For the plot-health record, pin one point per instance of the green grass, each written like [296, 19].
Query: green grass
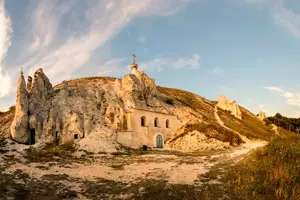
[272, 172]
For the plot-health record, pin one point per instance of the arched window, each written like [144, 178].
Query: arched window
[156, 122]
[167, 123]
[143, 121]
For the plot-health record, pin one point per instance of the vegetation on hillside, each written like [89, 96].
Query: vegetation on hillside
[250, 126]
[289, 124]
[196, 103]
[269, 173]
[211, 131]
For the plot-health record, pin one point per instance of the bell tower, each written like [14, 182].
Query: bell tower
[134, 66]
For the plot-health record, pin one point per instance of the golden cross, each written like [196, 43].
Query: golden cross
[134, 56]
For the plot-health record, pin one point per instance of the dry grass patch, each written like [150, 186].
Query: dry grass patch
[211, 131]
[250, 126]
[48, 152]
[271, 173]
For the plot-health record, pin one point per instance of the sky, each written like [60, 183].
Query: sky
[247, 50]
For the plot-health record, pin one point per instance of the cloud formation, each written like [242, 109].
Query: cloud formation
[160, 64]
[5, 42]
[119, 66]
[281, 15]
[219, 71]
[63, 41]
[291, 98]
[277, 89]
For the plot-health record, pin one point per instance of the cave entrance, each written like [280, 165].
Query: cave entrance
[32, 137]
[56, 137]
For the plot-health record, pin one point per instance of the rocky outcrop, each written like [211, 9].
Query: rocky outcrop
[39, 103]
[231, 106]
[19, 127]
[262, 116]
[137, 90]
[76, 110]
[29, 83]
[67, 113]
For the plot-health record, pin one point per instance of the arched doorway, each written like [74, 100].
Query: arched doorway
[159, 141]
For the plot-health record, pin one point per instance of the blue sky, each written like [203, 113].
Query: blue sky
[247, 50]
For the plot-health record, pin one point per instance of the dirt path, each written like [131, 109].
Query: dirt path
[122, 176]
[275, 129]
[245, 139]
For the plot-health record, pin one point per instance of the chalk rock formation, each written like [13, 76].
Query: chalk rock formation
[231, 106]
[262, 116]
[19, 127]
[66, 113]
[136, 89]
[29, 83]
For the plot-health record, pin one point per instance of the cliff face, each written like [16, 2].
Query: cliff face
[78, 108]
[69, 112]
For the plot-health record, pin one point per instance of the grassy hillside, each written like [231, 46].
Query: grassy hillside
[6, 119]
[250, 126]
[269, 173]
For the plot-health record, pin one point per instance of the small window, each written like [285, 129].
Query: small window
[75, 136]
[167, 124]
[156, 122]
[143, 121]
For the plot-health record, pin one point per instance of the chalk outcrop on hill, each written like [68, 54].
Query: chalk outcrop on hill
[231, 106]
[19, 127]
[109, 110]
[262, 116]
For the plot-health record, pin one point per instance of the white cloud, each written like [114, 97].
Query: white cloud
[115, 66]
[159, 64]
[103, 22]
[287, 18]
[281, 15]
[291, 98]
[219, 71]
[5, 42]
[275, 89]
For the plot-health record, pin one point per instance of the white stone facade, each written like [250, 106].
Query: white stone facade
[148, 128]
